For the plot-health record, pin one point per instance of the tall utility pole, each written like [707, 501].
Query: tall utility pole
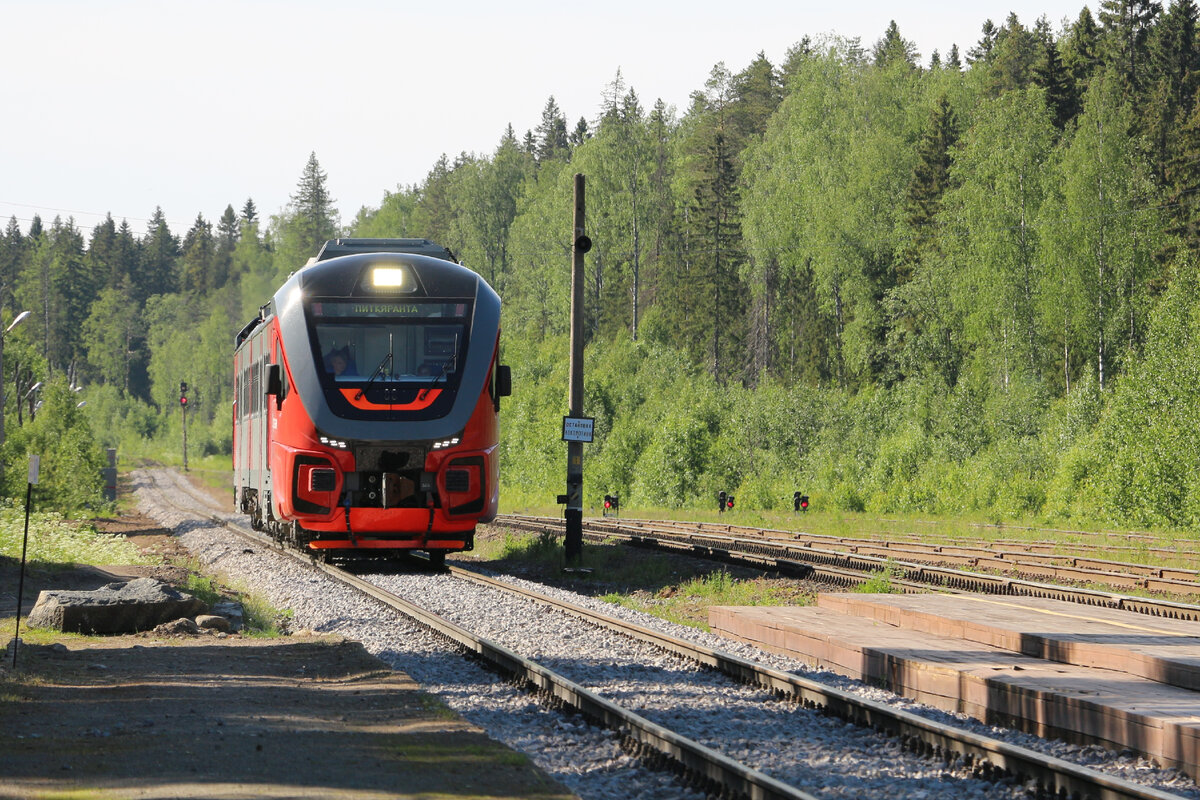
[574, 513]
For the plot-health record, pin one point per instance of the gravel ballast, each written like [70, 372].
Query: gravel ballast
[818, 754]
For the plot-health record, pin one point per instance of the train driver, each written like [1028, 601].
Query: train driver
[341, 364]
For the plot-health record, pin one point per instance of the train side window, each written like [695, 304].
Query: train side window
[255, 388]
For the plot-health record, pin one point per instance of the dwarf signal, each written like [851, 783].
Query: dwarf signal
[612, 504]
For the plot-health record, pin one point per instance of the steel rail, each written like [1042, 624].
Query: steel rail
[990, 756]
[840, 568]
[1052, 774]
[957, 551]
[700, 763]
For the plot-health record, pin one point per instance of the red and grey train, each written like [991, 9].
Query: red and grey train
[366, 401]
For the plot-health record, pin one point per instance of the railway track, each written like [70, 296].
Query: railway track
[1050, 558]
[704, 764]
[816, 558]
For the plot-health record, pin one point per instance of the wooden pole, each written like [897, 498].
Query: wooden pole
[573, 540]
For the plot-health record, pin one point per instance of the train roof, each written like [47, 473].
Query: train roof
[344, 247]
[351, 276]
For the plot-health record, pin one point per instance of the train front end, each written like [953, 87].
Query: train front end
[384, 424]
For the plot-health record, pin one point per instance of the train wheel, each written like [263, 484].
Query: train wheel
[437, 559]
[256, 520]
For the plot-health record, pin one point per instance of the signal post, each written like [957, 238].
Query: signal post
[575, 424]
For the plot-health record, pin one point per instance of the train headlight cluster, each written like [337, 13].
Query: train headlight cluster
[394, 279]
[336, 443]
[446, 443]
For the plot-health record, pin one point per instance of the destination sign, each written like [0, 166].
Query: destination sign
[392, 310]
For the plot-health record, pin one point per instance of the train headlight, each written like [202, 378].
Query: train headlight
[453, 440]
[396, 279]
[331, 442]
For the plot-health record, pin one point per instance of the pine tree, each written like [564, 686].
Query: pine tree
[982, 51]
[1182, 206]
[1172, 78]
[894, 49]
[952, 60]
[312, 218]
[1049, 73]
[930, 179]
[796, 55]
[552, 134]
[713, 225]
[101, 256]
[197, 261]
[13, 253]
[126, 253]
[249, 212]
[1081, 50]
[229, 231]
[156, 273]
[1127, 25]
[580, 134]
[1013, 56]
[436, 211]
[756, 96]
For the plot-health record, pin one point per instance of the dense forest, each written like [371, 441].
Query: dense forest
[960, 283]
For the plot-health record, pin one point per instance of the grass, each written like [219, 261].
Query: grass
[679, 590]
[880, 581]
[260, 618]
[54, 540]
[688, 603]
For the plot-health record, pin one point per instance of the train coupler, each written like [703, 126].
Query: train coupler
[349, 530]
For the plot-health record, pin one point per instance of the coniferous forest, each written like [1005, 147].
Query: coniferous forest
[956, 283]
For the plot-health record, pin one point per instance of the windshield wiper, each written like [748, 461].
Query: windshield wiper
[445, 368]
[387, 360]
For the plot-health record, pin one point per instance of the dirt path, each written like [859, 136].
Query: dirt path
[204, 717]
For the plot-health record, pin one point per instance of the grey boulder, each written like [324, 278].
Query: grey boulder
[138, 605]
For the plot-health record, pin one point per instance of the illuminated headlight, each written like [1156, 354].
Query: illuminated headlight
[445, 443]
[338, 443]
[391, 278]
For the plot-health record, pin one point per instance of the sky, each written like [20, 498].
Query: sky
[129, 105]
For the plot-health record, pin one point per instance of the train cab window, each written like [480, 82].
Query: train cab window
[283, 378]
[409, 343]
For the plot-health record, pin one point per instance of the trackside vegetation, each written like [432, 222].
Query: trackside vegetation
[953, 283]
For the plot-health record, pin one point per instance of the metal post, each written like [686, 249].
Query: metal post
[185, 466]
[34, 462]
[573, 540]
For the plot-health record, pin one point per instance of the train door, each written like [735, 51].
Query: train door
[263, 453]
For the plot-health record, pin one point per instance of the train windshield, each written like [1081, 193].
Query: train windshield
[380, 343]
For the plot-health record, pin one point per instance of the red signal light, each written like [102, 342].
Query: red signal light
[183, 401]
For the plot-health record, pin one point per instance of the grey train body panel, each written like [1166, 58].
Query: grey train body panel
[344, 277]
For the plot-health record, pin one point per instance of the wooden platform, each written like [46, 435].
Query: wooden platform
[1052, 668]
